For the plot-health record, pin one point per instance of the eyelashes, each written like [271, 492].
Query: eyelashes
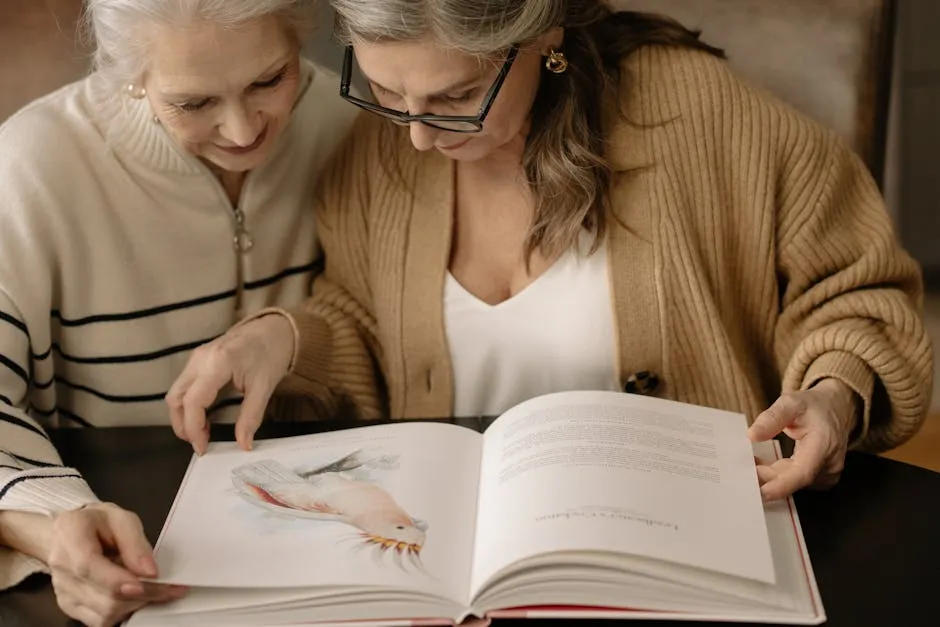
[197, 105]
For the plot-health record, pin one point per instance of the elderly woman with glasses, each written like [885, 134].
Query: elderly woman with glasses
[545, 196]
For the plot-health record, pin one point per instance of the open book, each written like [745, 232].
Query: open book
[575, 504]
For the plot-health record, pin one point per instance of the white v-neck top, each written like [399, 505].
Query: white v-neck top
[555, 335]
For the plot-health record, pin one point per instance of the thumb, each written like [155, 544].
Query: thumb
[774, 419]
[251, 415]
[128, 538]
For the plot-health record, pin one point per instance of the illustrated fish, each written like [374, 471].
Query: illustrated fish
[329, 492]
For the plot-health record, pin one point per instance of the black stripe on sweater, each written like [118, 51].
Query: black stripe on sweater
[119, 359]
[19, 324]
[5, 400]
[64, 413]
[186, 304]
[114, 398]
[129, 359]
[143, 313]
[31, 462]
[19, 422]
[45, 384]
[315, 266]
[46, 413]
[15, 368]
[64, 475]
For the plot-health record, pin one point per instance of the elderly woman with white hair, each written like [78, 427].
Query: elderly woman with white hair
[146, 208]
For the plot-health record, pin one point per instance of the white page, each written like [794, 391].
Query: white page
[602, 471]
[421, 477]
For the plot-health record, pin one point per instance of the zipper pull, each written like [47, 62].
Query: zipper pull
[243, 241]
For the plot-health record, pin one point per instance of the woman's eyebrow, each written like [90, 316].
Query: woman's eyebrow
[436, 94]
[275, 67]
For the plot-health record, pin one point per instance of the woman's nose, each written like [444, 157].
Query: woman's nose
[423, 136]
[239, 127]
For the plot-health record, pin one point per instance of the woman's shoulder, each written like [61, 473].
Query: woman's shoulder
[668, 80]
[664, 86]
[59, 129]
[322, 117]
[64, 108]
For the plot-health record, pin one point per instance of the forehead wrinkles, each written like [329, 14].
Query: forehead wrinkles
[205, 57]
[418, 69]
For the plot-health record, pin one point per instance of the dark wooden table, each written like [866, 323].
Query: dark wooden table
[874, 540]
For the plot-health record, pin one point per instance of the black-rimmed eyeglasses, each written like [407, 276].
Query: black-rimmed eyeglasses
[453, 123]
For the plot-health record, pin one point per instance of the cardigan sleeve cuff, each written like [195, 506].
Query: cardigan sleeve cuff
[852, 371]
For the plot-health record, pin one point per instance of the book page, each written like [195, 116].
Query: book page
[383, 505]
[606, 471]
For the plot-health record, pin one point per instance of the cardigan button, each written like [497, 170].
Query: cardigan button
[642, 382]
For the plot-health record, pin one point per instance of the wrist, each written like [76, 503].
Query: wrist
[27, 532]
[281, 325]
[846, 402]
[283, 330]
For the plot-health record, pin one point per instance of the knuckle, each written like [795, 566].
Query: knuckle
[201, 352]
[81, 569]
[173, 399]
[59, 560]
[191, 402]
[793, 401]
[220, 356]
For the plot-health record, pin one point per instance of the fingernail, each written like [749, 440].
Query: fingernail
[132, 589]
[147, 566]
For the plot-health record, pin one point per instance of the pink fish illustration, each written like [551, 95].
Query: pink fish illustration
[333, 492]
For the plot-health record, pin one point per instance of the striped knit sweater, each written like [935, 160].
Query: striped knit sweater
[117, 258]
[750, 253]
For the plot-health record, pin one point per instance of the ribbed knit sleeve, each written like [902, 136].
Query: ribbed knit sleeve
[851, 296]
[32, 475]
[337, 351]
[780, 257]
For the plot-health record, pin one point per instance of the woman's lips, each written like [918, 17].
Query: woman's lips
[240, 150]
[454, 146]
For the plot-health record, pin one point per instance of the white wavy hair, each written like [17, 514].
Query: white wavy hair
[116, 28]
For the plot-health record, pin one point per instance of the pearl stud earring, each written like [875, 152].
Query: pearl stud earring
[135, 92]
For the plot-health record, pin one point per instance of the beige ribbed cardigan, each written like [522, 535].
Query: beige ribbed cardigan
[750, 252]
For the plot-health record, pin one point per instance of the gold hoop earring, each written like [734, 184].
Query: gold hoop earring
[556, 63]
[135, 92]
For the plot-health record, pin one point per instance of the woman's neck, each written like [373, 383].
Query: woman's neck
[232, 182]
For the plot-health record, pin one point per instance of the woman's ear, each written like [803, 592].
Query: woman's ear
[551, 40]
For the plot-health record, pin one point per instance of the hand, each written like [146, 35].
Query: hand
[254, 356]
[820, 421]
[96, 556]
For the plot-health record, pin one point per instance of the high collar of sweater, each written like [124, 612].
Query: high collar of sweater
[129, 127]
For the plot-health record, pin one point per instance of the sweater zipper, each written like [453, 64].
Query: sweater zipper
[243, 243]
[242, 240]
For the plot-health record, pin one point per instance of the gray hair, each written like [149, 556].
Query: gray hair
[114, 26]
[473, 27]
